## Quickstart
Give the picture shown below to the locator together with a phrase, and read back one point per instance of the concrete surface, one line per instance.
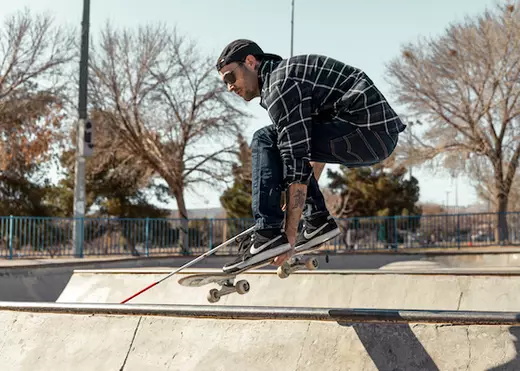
(446, 289)
(76, 340)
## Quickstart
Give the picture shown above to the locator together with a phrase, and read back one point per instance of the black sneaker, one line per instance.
(315, 232)
(258, 250)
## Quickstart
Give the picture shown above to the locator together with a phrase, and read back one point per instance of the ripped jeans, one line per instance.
(336, 143)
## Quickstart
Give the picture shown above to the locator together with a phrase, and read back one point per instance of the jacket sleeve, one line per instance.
(289, 107)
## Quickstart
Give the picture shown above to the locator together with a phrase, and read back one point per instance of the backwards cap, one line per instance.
(238, 50)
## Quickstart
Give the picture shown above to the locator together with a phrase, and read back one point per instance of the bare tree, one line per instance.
(482, 175)
(34, 54)
(463, 87)
(167, 104)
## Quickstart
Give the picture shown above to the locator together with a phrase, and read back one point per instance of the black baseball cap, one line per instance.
(238, 50)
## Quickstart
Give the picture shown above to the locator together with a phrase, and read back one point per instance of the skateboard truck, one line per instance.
(297, 263)
(228, 287)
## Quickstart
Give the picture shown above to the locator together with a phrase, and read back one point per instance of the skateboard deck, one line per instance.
(202, 279)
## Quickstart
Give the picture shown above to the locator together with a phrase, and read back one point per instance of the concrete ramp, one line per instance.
(146, 337)
(432, 289)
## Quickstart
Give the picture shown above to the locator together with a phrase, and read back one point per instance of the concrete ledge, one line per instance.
(403, 270)
(275, 313)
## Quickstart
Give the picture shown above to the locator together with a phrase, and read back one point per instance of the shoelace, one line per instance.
(245, 241)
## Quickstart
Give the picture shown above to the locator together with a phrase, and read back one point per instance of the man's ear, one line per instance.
(250, 62)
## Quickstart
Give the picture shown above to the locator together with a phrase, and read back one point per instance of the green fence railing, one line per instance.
(24, 237)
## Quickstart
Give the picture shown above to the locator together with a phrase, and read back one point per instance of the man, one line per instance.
(322, 111)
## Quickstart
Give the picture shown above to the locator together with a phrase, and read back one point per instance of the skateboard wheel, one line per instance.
(242, 287)
(312, 264)
(283, 270)
(213, 296)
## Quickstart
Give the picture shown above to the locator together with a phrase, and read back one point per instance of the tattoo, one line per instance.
(298, 199)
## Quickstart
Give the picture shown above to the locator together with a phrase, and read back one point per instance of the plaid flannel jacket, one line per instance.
(306, 89)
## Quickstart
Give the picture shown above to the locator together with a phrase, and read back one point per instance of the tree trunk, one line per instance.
(183, 214)
(501, 232)
(501, 197)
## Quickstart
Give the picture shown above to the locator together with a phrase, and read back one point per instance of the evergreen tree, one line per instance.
(236, 200)
(376, 191)
(372, 191)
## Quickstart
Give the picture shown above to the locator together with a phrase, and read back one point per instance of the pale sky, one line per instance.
(364, 34)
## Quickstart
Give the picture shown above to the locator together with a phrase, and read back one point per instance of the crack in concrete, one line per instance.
(131, 344)
(460, 299)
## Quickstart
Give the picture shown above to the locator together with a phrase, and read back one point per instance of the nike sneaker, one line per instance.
(257, 250)
(315, 232)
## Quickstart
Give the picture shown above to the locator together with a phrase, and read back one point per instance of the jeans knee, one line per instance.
(265, 135)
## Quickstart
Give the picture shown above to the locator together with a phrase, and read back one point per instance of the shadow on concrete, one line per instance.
(393, 347)
(514, 364)
(396, 347)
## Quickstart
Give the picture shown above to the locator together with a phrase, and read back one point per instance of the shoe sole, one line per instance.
(315, 243)
(259, 260)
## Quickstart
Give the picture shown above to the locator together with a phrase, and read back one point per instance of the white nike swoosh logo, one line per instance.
(311, 235)
(255, 250)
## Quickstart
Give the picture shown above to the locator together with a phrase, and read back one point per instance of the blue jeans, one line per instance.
(333, 143)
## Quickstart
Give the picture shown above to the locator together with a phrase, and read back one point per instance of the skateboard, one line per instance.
(227, 284)
(225, 280)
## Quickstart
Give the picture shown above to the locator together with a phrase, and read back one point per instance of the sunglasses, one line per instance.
(229, 77)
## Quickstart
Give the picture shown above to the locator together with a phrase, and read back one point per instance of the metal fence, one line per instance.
(33, 237)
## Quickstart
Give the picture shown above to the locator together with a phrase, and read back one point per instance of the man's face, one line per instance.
(241, 78)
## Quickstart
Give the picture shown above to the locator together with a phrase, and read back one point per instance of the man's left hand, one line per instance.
(279, 260)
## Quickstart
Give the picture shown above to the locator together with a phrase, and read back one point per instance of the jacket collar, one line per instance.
(264, 73)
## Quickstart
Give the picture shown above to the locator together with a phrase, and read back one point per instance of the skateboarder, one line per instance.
(322, 111)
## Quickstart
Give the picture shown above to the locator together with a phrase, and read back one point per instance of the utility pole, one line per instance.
(292, 27)
(84, 145)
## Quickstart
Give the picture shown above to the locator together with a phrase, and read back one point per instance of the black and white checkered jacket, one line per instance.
(307, 88)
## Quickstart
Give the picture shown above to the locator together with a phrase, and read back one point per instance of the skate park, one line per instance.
(131, 147)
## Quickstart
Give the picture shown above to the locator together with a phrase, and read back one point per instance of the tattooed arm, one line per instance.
(297, 193)
(317, 170)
